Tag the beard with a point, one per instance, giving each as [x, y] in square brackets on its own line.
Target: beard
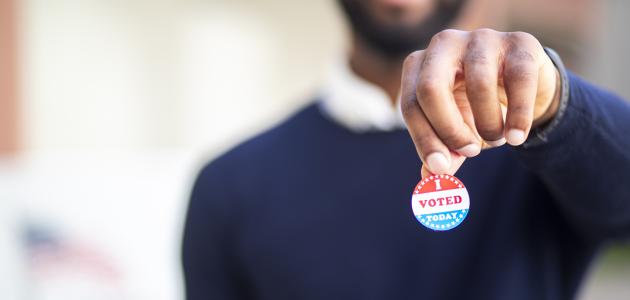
[398, 40]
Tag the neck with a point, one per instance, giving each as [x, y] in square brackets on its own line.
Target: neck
[374, 67]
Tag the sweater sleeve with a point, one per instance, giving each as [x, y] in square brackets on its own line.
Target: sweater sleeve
[585, 161]
[207, 257]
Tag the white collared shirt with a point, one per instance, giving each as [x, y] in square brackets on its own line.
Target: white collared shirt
[358, 104]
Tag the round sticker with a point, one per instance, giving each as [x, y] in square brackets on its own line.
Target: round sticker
[440, 202]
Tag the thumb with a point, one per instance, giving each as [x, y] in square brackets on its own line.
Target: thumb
[456, 162]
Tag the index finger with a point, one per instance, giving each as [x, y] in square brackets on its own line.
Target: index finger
[433, 153]
[442, 63]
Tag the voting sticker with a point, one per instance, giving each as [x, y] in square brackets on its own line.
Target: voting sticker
[440, 202]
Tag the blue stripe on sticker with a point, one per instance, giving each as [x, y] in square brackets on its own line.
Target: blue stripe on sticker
[444, 220]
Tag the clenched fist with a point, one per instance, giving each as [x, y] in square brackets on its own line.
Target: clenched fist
[470, 90]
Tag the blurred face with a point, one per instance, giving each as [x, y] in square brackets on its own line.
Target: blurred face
[397, 27]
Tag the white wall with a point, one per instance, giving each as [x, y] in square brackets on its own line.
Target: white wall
[166, 73]
[122, 103]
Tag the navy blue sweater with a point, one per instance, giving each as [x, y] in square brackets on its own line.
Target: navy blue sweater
[310, 210]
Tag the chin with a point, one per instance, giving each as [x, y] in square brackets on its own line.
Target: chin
[396, 28]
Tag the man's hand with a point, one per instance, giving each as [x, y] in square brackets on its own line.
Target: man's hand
[474, 90]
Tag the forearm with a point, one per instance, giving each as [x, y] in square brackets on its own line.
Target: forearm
[585, 160]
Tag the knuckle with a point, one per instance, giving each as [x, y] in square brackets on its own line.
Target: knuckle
[446, 34]
[483, 33]
[520, 73]
[481, 84]
[476, 57]
[519, 110]
[427, 88]
[522, 36]
[519, 116]
[408, 107]
[424, 140]
[490, 133]
[429, 58]
[521, 55]
[451, 135]
[412, 57]
[524, 45]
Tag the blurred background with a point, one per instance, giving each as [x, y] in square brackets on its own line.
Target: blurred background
[108, 109]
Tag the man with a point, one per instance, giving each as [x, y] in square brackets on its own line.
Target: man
[319, 206]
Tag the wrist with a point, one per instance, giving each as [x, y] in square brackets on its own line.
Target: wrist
[554, 104]
[539, 134]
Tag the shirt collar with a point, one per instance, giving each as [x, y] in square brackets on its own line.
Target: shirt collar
[358, 104]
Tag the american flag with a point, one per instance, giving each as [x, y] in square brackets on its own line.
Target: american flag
[50, 254]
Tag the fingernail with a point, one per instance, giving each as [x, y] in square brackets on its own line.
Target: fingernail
[437, 162]
[515, 137]
[469, 150]
[497, 143]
